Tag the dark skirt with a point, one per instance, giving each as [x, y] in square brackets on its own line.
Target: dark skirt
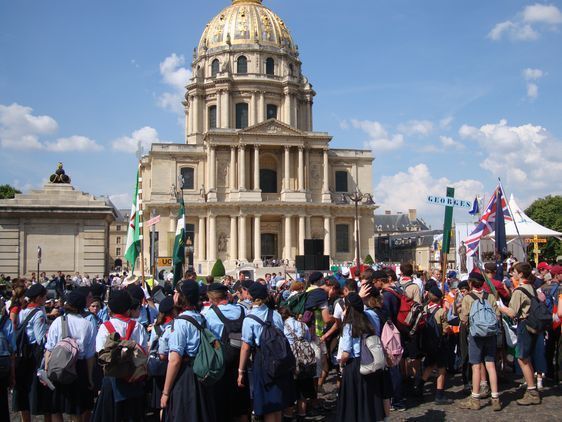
[234, 401]
[155, 388]
[75, 398]
[189, 399]
[360, 397]
[29, 394]
[305, 388]
[271, 398]
[108, 409]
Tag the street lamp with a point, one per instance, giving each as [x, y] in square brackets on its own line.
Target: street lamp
[358, 198]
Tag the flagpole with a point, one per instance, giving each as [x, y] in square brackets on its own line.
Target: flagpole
[513, 219]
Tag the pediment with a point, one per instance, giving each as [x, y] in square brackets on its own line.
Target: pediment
[272, 127]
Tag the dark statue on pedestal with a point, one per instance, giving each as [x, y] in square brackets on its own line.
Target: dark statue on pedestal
[59, 176]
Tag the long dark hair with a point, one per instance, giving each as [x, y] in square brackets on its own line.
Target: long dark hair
[360, 325]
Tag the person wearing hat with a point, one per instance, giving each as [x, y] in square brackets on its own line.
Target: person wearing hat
[183, 397]
[269, 400]
[359, 397]
[436, 346]
[118, 399]
[146, 309]
[225, 321]
[29, 395]
[77, 398]
[481, 350]
[158, 343]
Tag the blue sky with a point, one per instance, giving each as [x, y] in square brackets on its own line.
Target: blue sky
[443, 92]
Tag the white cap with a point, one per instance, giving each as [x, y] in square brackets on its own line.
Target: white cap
[345, 271]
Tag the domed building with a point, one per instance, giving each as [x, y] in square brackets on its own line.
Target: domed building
[256, 179]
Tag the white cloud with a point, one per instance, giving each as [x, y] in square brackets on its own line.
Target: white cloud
[532, 90]
[175, 76]
[146, 136]
[532, 74]
[528, 24]
[445, 123]
[449, 142]
[405, 190]
[73, 143]
[416, 127]
[20, 129]
[379, 138]
[522, 154]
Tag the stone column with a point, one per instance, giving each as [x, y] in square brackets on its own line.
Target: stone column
[233, 238]
[201, 239]
[286, 174]
[226, 111]
[327, 236]
[307, 168]
[242, 238]
[301, 168]
[212, 238]
[302, 233]
[294, 111]
[219, 108]
[254, 109]
[232, 182]
[287, 109]
[196, 114]
[308, 229]
[325, 185]
[212, 168]
[242, 168]
[261, 107]
[309, 106]
[256, 167]
[288, 240]
[257, 240]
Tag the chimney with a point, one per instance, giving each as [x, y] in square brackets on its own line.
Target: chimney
[412, 214]
[387, 212]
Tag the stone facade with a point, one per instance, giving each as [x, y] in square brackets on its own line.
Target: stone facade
[71, 227]
[118, 239]
[257, 180]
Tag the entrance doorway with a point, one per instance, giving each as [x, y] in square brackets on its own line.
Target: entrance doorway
[268, 247]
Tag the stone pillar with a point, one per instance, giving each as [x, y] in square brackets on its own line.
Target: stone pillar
[288, 240]
[256, 168]
[226, 111]
[307, 169]
[327, 236]
[232, 182]
[287, 171]
[212, 238]
[308, 229]
[242, 168]
[301, 168]
[196, 114]
[201, 239]
[294, 110]
[287, 109]
[233, 238]
[257, 240]
[326, 197]
[309, 106]
[219, 108]
[212, 168]
[261, 107]
[302, 233]
[242, 238]
[254, 109]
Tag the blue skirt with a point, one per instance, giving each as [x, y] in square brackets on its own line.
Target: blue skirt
[274, 397]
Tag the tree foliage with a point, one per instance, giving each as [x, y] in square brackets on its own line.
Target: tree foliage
[8, 192]
[218, 269]
[548, 212]
[369, 260]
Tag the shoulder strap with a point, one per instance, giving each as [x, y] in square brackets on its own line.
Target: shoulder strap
[64, 325]
[109, 327]
[130, 328]
[242, 314]
[255, 318]
[521, 289]
[408, 284]
[392, 291]
[220, 315]
[147, 315]
[28, 318]
[270, 316]
[158, 330]
[472, 295]
[192, 320]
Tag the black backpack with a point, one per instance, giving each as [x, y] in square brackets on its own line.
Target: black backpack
[431, 334]
[274, 354]
[24, 349]
[5, 353]
[231, 338]
[540, 318]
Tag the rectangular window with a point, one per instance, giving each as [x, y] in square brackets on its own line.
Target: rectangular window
[241, 116]
[271, 111]
[117, 251]
[213, 117]
[342, 238]
[118, 240]
[187, 176]
[118, 228]
[341, 181]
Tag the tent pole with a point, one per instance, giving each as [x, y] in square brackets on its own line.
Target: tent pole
[514, 222]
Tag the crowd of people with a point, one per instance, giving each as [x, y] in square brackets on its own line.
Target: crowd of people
[118, 349]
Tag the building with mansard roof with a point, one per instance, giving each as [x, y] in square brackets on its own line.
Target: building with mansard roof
[256, 178]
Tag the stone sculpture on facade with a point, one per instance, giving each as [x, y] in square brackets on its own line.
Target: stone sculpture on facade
[59, 176]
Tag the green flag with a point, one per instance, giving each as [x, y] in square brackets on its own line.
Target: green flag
[132, 250]
[179, 245]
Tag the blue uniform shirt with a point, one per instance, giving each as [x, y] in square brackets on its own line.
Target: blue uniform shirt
[80, 329]
[231, 312]
[351, 345]
[103, 314]
[185, 338]
[374, 320]
[162, 340]
[147, 315]
[37, 327]
[8, 330]
[251, 330]
[293, 327]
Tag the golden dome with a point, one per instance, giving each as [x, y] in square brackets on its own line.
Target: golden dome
[246, 22]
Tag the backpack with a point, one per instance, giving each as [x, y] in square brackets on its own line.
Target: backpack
[5, 353]
[231, 338]
[24, 349]
[296, 304]
[391, 344]
[540, 318]
[305, 357]
[62, 363]
[482, 318]
[552, 298]
[155, 366]
[274, 354]
[208, 364]
[372, 355]
[431, 338]
[123, 358]
[410, 318]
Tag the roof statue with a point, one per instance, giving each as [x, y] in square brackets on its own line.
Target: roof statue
[59, 176]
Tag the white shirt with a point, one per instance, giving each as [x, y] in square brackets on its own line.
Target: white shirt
[139, 333]
[79, 329]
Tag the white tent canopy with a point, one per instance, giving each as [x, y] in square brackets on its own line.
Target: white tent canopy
[526, 226]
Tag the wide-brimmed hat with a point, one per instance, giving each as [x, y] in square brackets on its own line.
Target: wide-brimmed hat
[131, 279]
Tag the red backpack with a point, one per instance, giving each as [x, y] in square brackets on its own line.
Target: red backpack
[410, 317]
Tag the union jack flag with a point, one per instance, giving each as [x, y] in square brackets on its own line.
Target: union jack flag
[486, 224]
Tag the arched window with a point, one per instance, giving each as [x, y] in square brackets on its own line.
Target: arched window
[271, 111]
[242, 65]
[214, 68]
[213, 117]
[241, 115]
[269, 66]
[268, 181]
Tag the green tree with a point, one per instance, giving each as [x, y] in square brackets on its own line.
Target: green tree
[8, 192]
[548, 212]
[218, 269]
[369, 260]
